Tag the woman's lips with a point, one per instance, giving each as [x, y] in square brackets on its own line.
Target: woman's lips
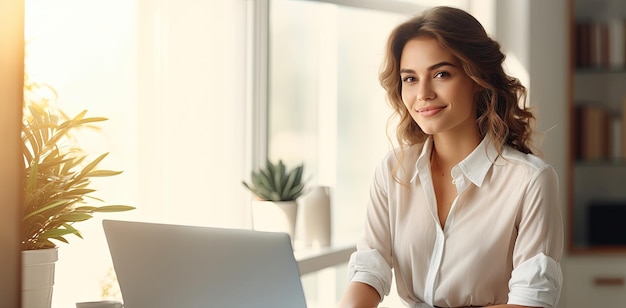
[430, 111]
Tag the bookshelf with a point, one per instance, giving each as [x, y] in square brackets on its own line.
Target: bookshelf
[598, 112]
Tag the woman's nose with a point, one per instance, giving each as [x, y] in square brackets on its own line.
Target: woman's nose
[425, 91]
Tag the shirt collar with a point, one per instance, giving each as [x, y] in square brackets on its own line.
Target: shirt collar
[423, 161]
[475, 166]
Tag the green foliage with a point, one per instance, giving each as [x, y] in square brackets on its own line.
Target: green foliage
[276, 183]
[57, 177]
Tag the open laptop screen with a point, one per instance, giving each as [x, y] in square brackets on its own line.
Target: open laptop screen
[165, 266]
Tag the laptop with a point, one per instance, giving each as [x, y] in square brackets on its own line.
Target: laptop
[164, 266]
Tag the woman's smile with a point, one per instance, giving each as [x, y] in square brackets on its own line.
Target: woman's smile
[430, 111]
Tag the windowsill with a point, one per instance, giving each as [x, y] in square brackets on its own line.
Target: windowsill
[315, 259]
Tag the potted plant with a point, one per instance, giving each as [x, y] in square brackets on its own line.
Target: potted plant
[276, 189]
[57, 184]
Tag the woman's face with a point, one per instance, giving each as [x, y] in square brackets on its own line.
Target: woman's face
[435, 89]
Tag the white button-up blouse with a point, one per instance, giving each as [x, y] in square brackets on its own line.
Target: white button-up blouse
[502, 241]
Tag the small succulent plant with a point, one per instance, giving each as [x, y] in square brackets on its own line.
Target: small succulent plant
[275, 182]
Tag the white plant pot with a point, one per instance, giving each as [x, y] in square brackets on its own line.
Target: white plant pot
[275, 216]
[38, 277]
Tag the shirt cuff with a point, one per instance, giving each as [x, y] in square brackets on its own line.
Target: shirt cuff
[369, 267]
[536, 282]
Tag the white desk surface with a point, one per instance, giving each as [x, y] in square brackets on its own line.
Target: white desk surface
[314, 259]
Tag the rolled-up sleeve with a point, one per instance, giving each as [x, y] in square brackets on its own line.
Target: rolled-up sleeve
[536, 282]
[369, 267]
[536, 279]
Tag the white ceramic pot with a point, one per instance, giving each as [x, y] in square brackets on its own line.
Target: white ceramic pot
[275, 216]
[38, 277]
[316, 217]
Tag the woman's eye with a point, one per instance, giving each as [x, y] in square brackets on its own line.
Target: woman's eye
[408, 79]
[442, 74]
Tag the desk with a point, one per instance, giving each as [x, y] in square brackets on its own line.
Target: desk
[315, 259]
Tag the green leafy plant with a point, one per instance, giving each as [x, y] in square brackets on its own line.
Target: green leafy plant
[275, 182]
[57, 175]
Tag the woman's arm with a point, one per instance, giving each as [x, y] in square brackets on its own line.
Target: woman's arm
[359, 295]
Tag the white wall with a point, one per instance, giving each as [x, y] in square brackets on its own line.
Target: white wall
[549, 60]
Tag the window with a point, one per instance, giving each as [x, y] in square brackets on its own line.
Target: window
[326, 107]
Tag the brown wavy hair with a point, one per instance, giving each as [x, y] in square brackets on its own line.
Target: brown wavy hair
[502, 114]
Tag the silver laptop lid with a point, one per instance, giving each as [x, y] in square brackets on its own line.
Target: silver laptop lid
[166, 266]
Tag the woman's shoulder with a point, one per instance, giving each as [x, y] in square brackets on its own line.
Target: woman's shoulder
[524, 160]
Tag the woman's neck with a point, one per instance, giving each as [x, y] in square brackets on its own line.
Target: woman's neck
[450, 151]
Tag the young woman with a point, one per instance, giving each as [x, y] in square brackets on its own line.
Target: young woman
[462, 212]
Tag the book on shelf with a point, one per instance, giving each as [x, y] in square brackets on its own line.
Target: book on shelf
[593, 132]
[617, 43]
[600, 44]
